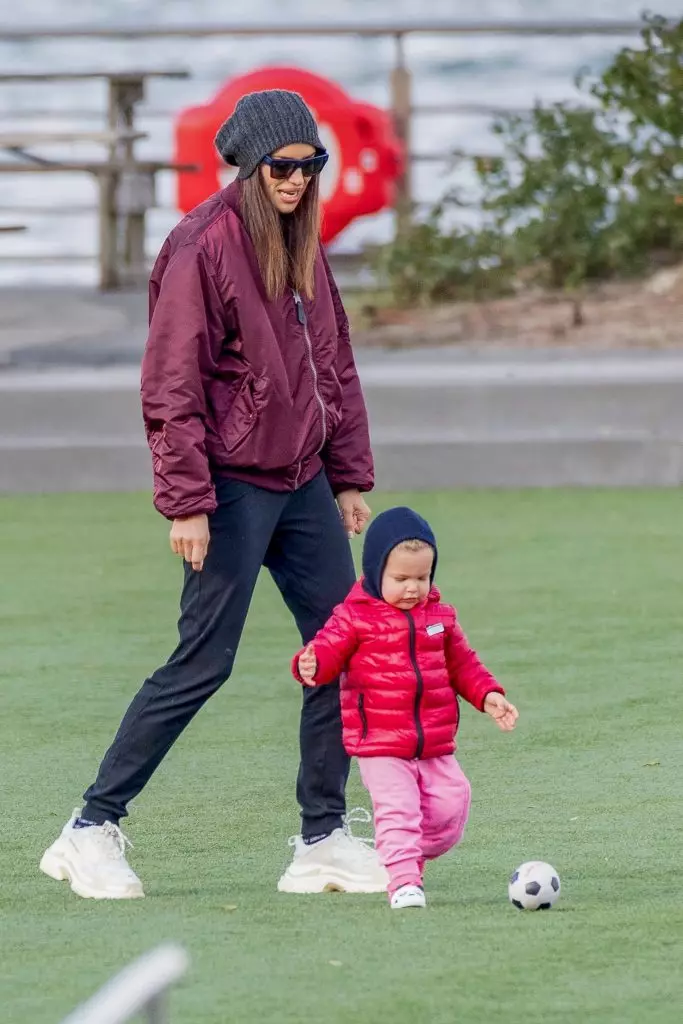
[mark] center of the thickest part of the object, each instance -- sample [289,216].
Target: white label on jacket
[437,627]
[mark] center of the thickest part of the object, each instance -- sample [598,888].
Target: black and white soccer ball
[534,886]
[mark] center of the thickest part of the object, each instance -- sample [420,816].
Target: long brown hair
[286,245]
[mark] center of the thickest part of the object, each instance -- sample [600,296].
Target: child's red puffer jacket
[401,675]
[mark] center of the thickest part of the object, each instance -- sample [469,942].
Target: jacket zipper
[303,320]
[363,716]
[419,689]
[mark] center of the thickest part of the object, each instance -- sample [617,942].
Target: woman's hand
[308,666]
[190,539]
[354,512]
[503,713]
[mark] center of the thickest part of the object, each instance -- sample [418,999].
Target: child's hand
[308,666]
[503,713]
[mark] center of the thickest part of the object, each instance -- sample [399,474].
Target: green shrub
[579,195]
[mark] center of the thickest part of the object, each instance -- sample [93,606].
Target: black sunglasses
[281,168]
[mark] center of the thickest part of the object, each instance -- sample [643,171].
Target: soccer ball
[534,886]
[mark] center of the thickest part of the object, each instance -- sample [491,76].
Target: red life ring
[365,154]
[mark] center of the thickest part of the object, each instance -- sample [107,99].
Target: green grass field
[573,598]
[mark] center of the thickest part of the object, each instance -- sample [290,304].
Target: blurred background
[485,70]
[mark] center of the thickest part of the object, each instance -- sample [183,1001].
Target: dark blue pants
[299,537]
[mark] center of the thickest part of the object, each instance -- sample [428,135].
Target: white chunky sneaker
[408,896]
[93,860]
[340,863]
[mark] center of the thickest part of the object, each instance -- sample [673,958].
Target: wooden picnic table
[127,192]
[126,184]
[126,88]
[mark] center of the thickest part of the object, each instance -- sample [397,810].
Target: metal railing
[142,987]
[403,108]
[366,29]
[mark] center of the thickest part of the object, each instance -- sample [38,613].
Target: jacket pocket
[333,397]
[363,716]
[236,406]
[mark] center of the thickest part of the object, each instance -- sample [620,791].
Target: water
[479,69]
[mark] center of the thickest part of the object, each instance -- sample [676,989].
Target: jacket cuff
[206,505]
[491,689]
[295,670]
[338,486]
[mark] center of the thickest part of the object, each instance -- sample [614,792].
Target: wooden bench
[126,183]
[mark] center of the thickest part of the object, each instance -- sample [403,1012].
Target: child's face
[407,577]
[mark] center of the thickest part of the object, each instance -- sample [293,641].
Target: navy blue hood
[385,532]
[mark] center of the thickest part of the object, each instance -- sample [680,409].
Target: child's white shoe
[93,861]
[408,896]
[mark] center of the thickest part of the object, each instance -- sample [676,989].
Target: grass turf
[572,598]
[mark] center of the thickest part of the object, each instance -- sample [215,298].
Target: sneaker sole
[61,870]
[311,885]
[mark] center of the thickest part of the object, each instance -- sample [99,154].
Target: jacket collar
[230,196]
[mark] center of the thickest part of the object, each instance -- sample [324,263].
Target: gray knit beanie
[262,123]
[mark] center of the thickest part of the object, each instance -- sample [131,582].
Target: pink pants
[420,809]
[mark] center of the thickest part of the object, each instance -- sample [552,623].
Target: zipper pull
[300,311]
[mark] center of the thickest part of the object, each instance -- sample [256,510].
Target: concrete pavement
[448,416]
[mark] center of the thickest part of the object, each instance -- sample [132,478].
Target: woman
[256,423]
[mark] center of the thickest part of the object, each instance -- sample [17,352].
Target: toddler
[404,661]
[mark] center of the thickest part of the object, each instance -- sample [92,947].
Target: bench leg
[108,232]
